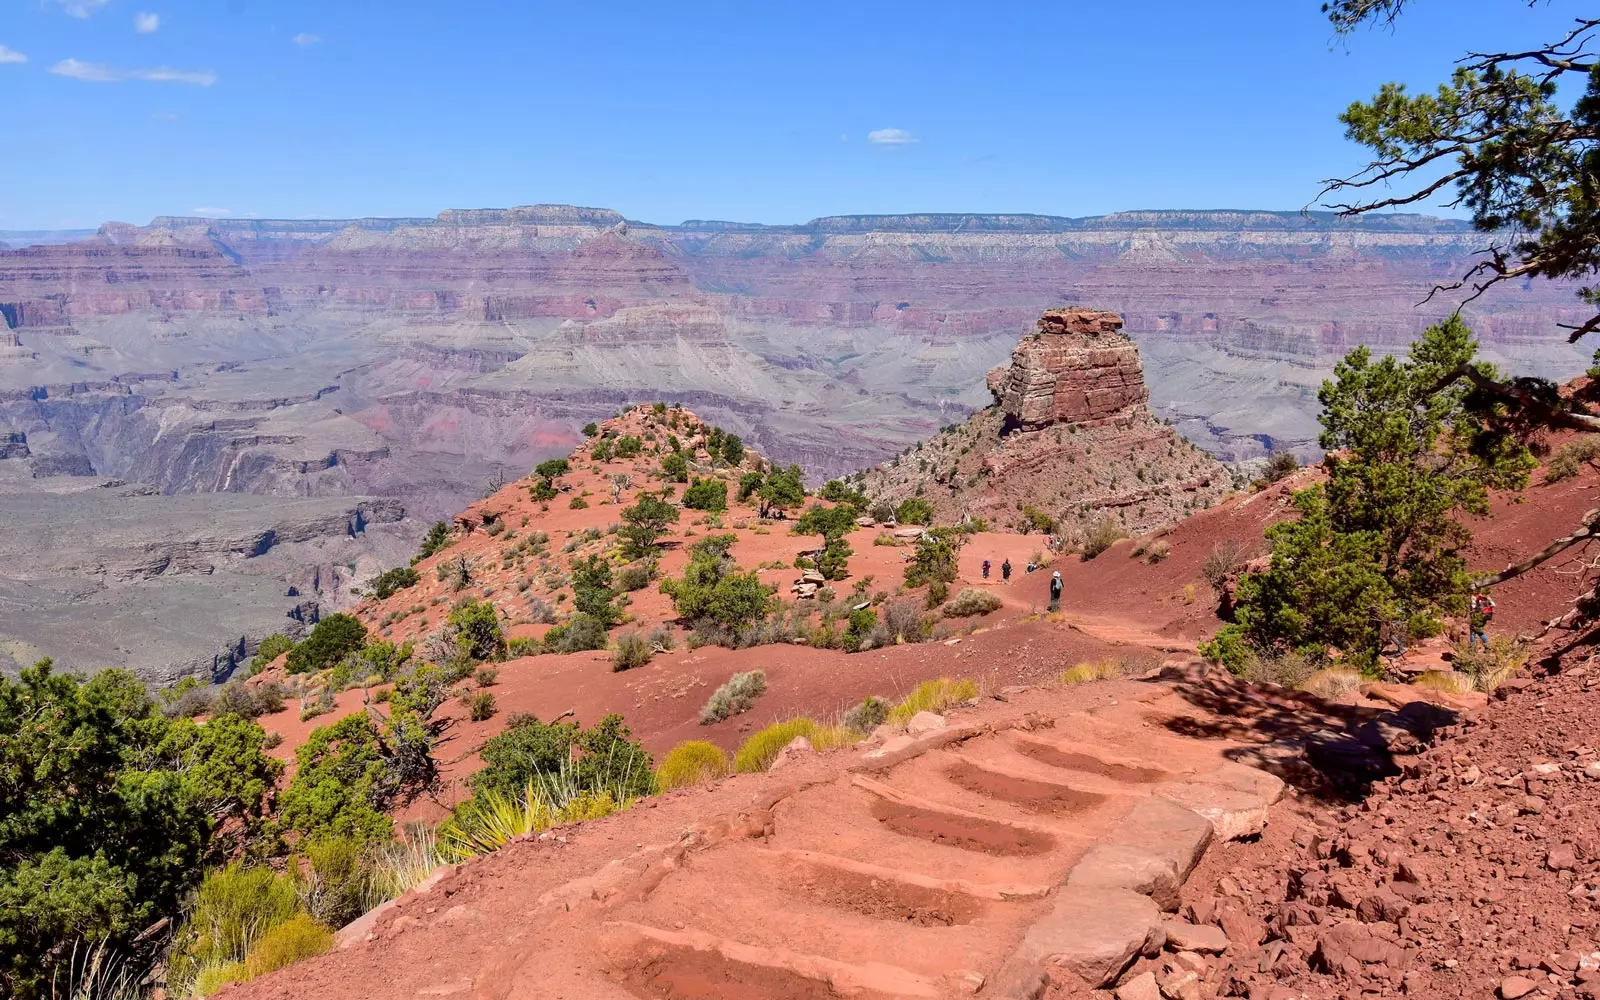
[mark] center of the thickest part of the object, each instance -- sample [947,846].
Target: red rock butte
[1079,367]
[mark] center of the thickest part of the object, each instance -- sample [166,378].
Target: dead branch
[1552,415]
[1590,529]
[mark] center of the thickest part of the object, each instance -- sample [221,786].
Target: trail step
[874,979]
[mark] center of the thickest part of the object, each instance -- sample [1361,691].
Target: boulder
[923,723]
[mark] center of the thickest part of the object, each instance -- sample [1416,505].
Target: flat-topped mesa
[1078,367]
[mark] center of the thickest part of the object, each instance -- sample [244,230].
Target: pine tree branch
[1553,415]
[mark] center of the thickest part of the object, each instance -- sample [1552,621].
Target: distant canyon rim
[210,430]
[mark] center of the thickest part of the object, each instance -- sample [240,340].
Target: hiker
[986,569]
[1479,616]
[1005,570]
[1055,591]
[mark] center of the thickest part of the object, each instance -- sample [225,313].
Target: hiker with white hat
[1055,591]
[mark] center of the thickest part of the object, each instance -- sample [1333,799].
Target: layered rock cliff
[1069,436]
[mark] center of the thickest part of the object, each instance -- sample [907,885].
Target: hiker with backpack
[986,569]
[1055,591]
[1479,614]
[1005,570]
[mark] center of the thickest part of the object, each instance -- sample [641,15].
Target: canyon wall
[423,359]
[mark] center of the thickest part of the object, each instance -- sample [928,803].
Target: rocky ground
[1473,870]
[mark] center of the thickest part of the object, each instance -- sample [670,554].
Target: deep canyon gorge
[212,429]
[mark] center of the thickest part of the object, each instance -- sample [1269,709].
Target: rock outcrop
[1070,441]
[1078,367]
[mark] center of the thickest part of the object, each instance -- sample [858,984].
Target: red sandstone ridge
[1070,434]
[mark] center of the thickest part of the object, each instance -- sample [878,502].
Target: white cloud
[11,56]
[90,72]
[164,116]
[161,74]
[81,8]
[891,137]
[306,38]
[146,24]
[211,212]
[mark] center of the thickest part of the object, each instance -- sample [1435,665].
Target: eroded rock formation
[1077,367]
[1069,437]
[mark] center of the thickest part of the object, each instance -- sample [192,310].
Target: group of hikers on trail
[1005,577]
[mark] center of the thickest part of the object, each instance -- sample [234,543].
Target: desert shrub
[1226,557]
[1331,682]
[1231,648]
[1157,551]
[882,512]
[629,446]
[400,865]
[867,715]
[914,511]
[564,760]
[343,784]
[1289,669]
[763,746]
[713,594]
[1490,668]
[859,626]
[481,706]
[522,645]
[233,908]
[1279,467]
[1092,670]
[330,640]
[633,578]
[486,676]
[932,696]
[577,503]
[334,879]
[590,429]
[972,601]
[248,701]
[540,611]
[602,450]
[692,763]
[296,939]
[109,814]
[1571,457]
[902,622]
[1034,519]
[578,634]
[593,590]
[475,629]
[496,526]
[935,560]
[738,695]
[675,467]
[438,537]
[1101,536]
[706,494]
[272,647]
[634,649]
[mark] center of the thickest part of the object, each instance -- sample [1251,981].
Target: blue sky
[126,109]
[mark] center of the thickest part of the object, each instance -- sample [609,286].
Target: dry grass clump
[932,696]
[1448,681]
[1092,670]
[1332,682]
[694,762]
[1489,668]
[762,748]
